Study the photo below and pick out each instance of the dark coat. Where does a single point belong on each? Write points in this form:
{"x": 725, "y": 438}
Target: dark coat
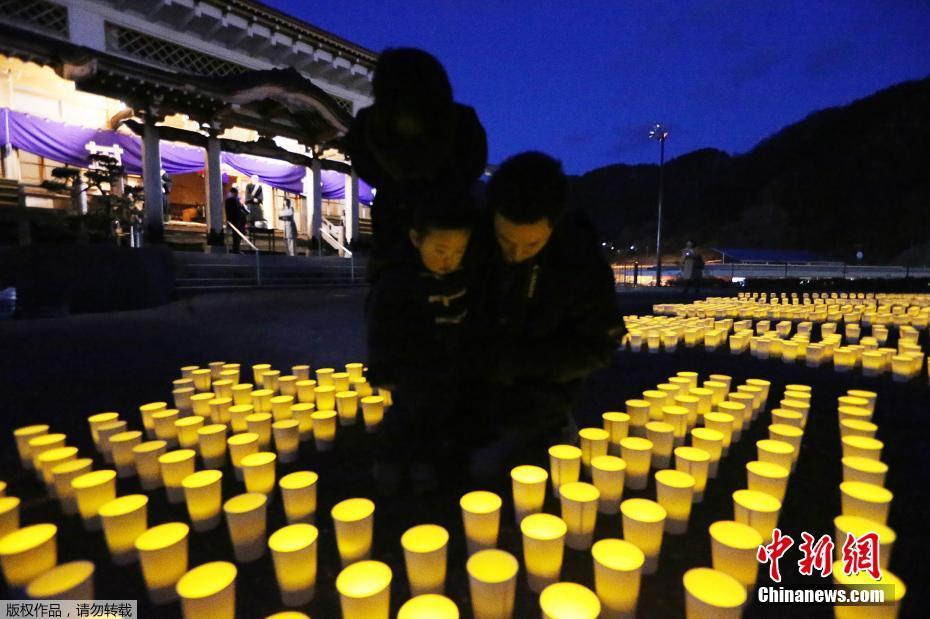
{"x": 538, "y": 328}
{"x": 236, "y": 212}
{"x": 453, "y": 162}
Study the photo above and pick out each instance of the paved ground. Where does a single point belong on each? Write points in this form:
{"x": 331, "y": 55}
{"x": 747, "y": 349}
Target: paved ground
{"x": 61, "y": 370}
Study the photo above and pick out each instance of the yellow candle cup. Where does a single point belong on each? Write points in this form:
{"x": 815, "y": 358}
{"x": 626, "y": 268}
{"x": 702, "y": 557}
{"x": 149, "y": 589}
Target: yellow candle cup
{"x": 637, "y": 453}
{"x": 643, "y": 524}
{"x": 187, "y": 430}
{"x": 270, "y": 380}
{"x": 372, "y": 411}
{"x": 299, "y": 491}
{"x": 261, "y": 400}
{"x": 857, "y": 427}
{"x": 258, "y": 471}
{"x": 481, "y": 515}
{"x": 696, "y": 463}
{"x": 865, "y": 470}
{"x": 165, "y": 430}
{"x": 677, "y": 417}
{"x": 182, "y": 401}
{"x": 202, "y": 378}
{"x": 324, "y": 429}
{"x": 303, "y": 413}
{"x": 425, "y": 549}
{"x": 9, "y": 514}
{"x": 894, "y": 587}
{"x": 354, "y": 522}
{"x": 492, "y": 579}
{"x": 240, "y": 446}
{"x": 529, "y": 490}
{"x": 50, "y": 458}
{"x": 146, "y": 411}
{"x": 294, "y": 553}
{"x": 219, "y": 410}
{"x": 68, "y": 581}
{"x": 674, "y": 491}
{"x": 104, "y": 432}
{"x": 121, "y": 446}
{"x": 865, "y": 500}
{"x": 711, "y": 441}
{"x": 246, "y": 517}
{"x": 733, "y": 547}
{"x": 776, "y": 452}
{"x": 720, "y": 390}
{"x": 281, "y": 407}
{"x": 690, "y": 403}
{"x": 286, "y": 439}
{"x": 301, "y": 371}
{"x": 208, "y": 591}
{"x": 365, "y": 590}
{"x": 608, "y": 473}
{"x": 712, "y": 593}
{"x": 361, "y": 387}
{"x": 258, "y": 371}
{"x": 862, "y": 447}
{"x": 564, "y": 465}
{"x": 858, "y": 526}
{"x": 722, "y": 423}
{"x": 638, "y": 410}
{"x": 27, "y": 553}
{"x": 42, "y": 443}
{"x": 306, "y": 390}
{"x": 346, "y": 406}
{"x": 662, "y": 437}
{"x": 618, "y": 568}
{"x": 749, "y": 411}
{"x": 22, "y": 436}
{"x": 237, "y": 417}
{"x": 260, "y": 424}
{"x": 617, "y": 425}
{"x": 222, "y": 389}
{"x": 163, "y": 554}
{"x": 175, "y": 466}
{"x": 92, "y": 490}
{"x": 788, "y": 434}
{"x": 854, "y": 412}
{"x": 543, "y": 549}
{"x": 200, "y": 403}
{"x": 772, "y": 479}
{"x": 146, "y": 455}
{"x": 657, "y": 399}
{"x": 124, "y": 519}
{"x": 569, "y": 600}
{"x": 429, "y": 606}
{"x": 593, "y": 443}
{"x": 758, "y": 510}
{"x": 705, "y": 401}
{"x": 579, "y": 502}
{"x": 325, "y": 397}
{"x": 95, "y": 421}
{"x": 287, "y": 385}
{"x": 787, "y": 417}
{"x": 211, "y": 441}
{"x": 869, "y": 396}
{"x": 203, "y": 493}
{"x": 242, "y": 394}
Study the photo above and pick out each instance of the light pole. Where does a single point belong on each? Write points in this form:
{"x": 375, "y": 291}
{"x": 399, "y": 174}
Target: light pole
{"x": 660, "y": 133}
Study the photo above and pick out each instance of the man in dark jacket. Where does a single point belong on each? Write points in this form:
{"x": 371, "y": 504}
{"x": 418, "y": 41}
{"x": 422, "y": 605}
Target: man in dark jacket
{"x": 543, "y": 310}
{"x": 413, "y": 140}
{"x": 237, "y": 215}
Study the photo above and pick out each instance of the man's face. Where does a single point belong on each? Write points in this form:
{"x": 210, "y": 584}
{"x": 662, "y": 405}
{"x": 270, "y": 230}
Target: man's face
{"x": 520, "y": 242}
{"x": 441, "y": 251}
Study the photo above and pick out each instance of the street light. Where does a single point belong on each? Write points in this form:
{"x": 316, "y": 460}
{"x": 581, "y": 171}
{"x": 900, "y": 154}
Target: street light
{"x": 660, "y": 133}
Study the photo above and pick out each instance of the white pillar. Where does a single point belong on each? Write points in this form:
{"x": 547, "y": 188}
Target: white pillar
{"x": 9, "y": 158}
{"x": 316, "y": 219}
{"x": 151, "y": 182}
{"x": 350, "y": 216}
{"x": 214, "y": 185}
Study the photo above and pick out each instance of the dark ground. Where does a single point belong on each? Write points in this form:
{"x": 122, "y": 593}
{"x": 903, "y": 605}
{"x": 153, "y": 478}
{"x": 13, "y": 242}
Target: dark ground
{"x": 61, "y": 370}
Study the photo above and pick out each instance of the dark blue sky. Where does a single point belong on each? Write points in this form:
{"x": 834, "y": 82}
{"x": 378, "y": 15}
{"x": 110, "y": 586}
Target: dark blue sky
{"x": 584, "y": 80}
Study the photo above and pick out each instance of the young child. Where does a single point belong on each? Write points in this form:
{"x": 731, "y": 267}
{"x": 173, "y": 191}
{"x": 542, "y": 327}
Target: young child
{"x": 416, "y": 312}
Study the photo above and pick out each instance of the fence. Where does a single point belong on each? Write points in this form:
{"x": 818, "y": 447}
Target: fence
{"x": 632, "y": 274}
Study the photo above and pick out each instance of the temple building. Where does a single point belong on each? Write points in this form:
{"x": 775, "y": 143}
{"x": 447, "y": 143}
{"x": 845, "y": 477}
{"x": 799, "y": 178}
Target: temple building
{"x": 191, "y": 97}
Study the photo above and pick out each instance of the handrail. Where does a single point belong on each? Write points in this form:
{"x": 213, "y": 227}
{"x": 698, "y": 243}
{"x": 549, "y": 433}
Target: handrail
{"x": 258, "y": 267}
{"x": 335, "y": 242}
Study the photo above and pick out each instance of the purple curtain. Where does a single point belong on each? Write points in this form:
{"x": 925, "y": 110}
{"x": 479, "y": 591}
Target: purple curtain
{"x": 67, "y": 144}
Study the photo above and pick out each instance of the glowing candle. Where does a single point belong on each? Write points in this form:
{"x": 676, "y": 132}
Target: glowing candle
{"x": 95, "y": 421}
{"x": 324, "y": 377}
{"x": 866, "y": 500}
{"x": 492, "y": 579}
{"x": 662, "y": 437}
{"x": 258, "y": 371}
{"x": 9, "y": 514}
{"x": 341, "y": 381}
{"x": 68, "y": 581}
{"x": 724, "y": 424}
{"x": 712, "y": 593}
{"x": 286, "y": 439}
{"x": 50, "y": 458}
{"x": 241, "y": 445}
{"x": 242, "y": 394}
{"x": 429, "y": 606}
{"x": 303, "y": 413}
{"x": 733, "y": 550}
{"x": 862, "y": 447}
{"x": 146, "y": 411}
{"x": 372, "y": 411}
{"x": 757, "y": 509}
{"x": 281, "y": 407}
{"x": 747, "y": 400}
{"x": 481, "y": 513}
{"x": 41, "y": 444}
{"x": 27, "y": 553}
{"x": 719, "y": 389}
{"x": 859, "y": 526}
{"x": 425, "y": 549}
{"x": 260, "y": 424}
{"x": 710, "y": 441}
{"x": 165, "y": 429}
{"x": 187, "y": 371}
{"x": 674, "y": 491}
{"x": 690, "y": 404}
{"x": 261, "y": 400}
{"x": 306, "y": 391}
{"x": 237, "y": 417}
{"x": 705, "y": 401}
{"x": 175, "y": 466}
{"x": 104, "y": 432}
{"x": 222, "y": 388}
{"x": 209, "y": 591}
{"x": 643, "y": 524}
{"x": 569, "y": 600}
{"x": 219, "y": 409}
{"x": 564, "y": 465}
{"x": 258, "y": 471}
{"x": 776, "y": 452}
{"x": 637, "y": 452}
{"x": 182, "y": 400}
{"x": 324, "y": 429}
{"x": 23, "y": 435}
{"x": 365, "y": 590}
{"x": 579, "y": 502}
{"x": 163, "y": 553}
{"x": 92, "y": 490}
{"x": 302, "y": 371}
{"x": 865, "y": 470}
{"x": 788, "y": 417}
{"x": 788, "y": 434}
{"x": 203, "y": 494}
{"x": 270, "y": 380}
{"x": 121, "y": 445}
{"x": 593, "y": 442}
{"x": 294, "y": 553}
{"x": 617, "y": 572}
{"x": 200, "y": 403}
{"x": 361, "y": 387}
{"x": 543, "y": 549}
{"x": 608, "y": 473}
{"x": 529, "y": 490}
{"x": 325, "y": 398}
{"x": 124, "y": 519}
{"x": 869, "y": 396}
{"x": 657, "y": 399}
{"x": 187, "y": 430}
{"x": 617, "y": 425}
{"x": 772, "y": 479}
{"x": 638, "y": 410}
{"x": 211, "y": 442}
{"x": 145, "y": 456}
{"x": 202, "y": 379}
{"x": 893, "y": 585}
{"x": 347, "y": 406}
{"x": 246, "y": 516}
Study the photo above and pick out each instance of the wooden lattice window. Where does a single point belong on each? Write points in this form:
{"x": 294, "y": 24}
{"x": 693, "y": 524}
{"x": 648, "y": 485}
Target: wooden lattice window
{"x": 155, "y": 50}
{"x": 46, "y": 16}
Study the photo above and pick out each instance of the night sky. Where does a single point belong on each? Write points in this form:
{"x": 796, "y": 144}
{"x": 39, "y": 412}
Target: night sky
{"x": 585, "y": 80}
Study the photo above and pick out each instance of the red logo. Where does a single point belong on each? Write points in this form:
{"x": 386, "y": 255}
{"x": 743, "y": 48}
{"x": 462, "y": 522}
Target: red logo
{"x": 817, "y": 556}
{"x": 861, "y": 555}
{"x": 770, "y": 553}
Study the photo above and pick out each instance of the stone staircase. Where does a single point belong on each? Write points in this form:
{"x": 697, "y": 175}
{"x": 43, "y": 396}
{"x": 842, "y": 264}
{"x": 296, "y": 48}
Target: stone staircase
{"x": 198, "y": 272}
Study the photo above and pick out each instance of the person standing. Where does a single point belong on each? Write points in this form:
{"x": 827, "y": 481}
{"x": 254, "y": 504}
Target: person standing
{"x": 255, "y": 200}
{"x": 290, "y": 227}
{"x": 692, "y": 267}
{"x": 237, "y": 215}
